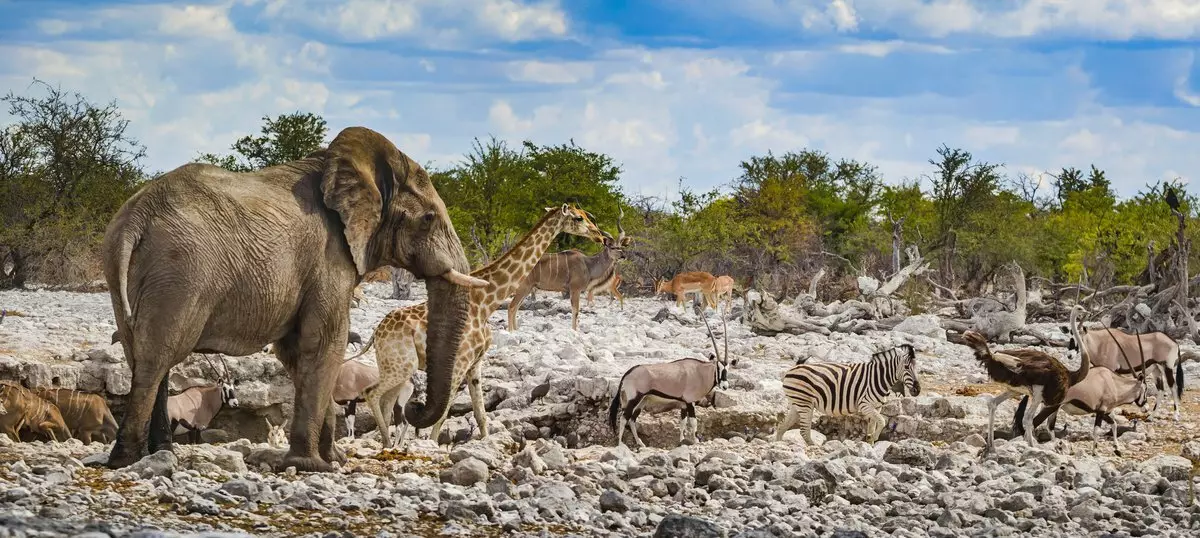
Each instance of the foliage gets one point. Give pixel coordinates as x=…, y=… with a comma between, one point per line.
x=66, y=166
x=285, y=138
x=497, y=193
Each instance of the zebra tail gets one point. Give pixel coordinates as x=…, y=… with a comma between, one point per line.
x=1179, y=378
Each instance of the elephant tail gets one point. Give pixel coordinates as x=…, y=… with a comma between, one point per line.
x=130, y=236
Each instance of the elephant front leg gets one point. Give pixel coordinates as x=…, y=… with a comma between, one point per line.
x=312, y=363
x=476, y=392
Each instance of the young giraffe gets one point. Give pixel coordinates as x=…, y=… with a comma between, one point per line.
x=400, y=336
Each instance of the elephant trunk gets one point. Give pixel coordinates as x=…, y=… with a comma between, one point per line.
x=447, y=315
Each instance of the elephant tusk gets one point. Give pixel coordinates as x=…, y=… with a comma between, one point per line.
x=466, y=281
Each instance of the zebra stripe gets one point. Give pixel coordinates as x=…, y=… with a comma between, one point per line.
x=846, y=389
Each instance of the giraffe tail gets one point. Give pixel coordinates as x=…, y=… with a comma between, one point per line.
x=365, y=348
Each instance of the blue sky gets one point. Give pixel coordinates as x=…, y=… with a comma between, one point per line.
x=669, y=88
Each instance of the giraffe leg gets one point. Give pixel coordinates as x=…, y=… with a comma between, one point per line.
x=373, y=395
x=473, y=386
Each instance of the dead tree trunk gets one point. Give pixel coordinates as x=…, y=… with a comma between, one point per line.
x=897, y=241
x=1150, y=276
x=1183, y=247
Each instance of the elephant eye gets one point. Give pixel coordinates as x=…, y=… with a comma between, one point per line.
x=428, y=217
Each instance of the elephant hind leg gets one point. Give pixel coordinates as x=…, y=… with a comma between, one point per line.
x=156, y=348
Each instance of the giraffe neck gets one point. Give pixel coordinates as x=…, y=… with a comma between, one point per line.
x=506, y=272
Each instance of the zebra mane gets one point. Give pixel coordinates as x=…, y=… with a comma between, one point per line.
x=900, y=352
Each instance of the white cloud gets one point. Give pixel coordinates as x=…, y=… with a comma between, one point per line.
x=504, y=118
x=439, y=23
x=881, y=49
x=203, y=21
x=549, y=73
x=1106, y=19
x=660, y=114
x=986, y=136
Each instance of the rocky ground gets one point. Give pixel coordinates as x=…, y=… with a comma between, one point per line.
x=549, y=467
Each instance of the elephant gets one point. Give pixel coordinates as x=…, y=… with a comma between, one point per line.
x=202, y=259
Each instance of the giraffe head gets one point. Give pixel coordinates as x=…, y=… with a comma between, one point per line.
x=578, y=222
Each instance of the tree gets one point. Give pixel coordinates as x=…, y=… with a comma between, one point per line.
x=66, y=166
x=497, y=193
x=286, y=138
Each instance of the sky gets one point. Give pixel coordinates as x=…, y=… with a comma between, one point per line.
x=670, y=89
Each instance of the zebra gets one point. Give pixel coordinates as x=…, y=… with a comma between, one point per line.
x=846, y=389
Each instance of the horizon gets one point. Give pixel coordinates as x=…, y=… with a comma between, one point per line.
x=666, y=89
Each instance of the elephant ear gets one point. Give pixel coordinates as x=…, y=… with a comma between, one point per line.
x=357, y=183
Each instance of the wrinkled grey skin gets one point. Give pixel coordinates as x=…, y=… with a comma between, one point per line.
x=202, y=259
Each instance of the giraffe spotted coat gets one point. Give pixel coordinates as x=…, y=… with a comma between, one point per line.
x=399, y=338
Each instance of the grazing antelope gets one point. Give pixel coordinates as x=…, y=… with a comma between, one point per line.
x=847, y=389
x=1161, y=357
x=700, y=282
x=683, y=381
x=353, y=378
x=1023, y=372
x=24, y=410
x=192, y=410
x=573, y=272
x=85, y=414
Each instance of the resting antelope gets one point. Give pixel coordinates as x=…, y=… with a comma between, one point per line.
x=192, y=410
x=700, y=282
x=24, y=410
x=571, y=271
x=86, y=415
x=683, y=381
x=1107, y=346
x=1024, y=372
x=276, y=434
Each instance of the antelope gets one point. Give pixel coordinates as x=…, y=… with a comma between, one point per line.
x=25, y=410
x=723, y=286
x=276, y=434
x=1154, y=351
x=683, y=381
x=1028, y=372
x=609, y=285
x=86, y=415
x=700, y=282
x=192, y=410
x=1098, y=394
x=572, y=271
x=352, y=379
x=358, y=296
